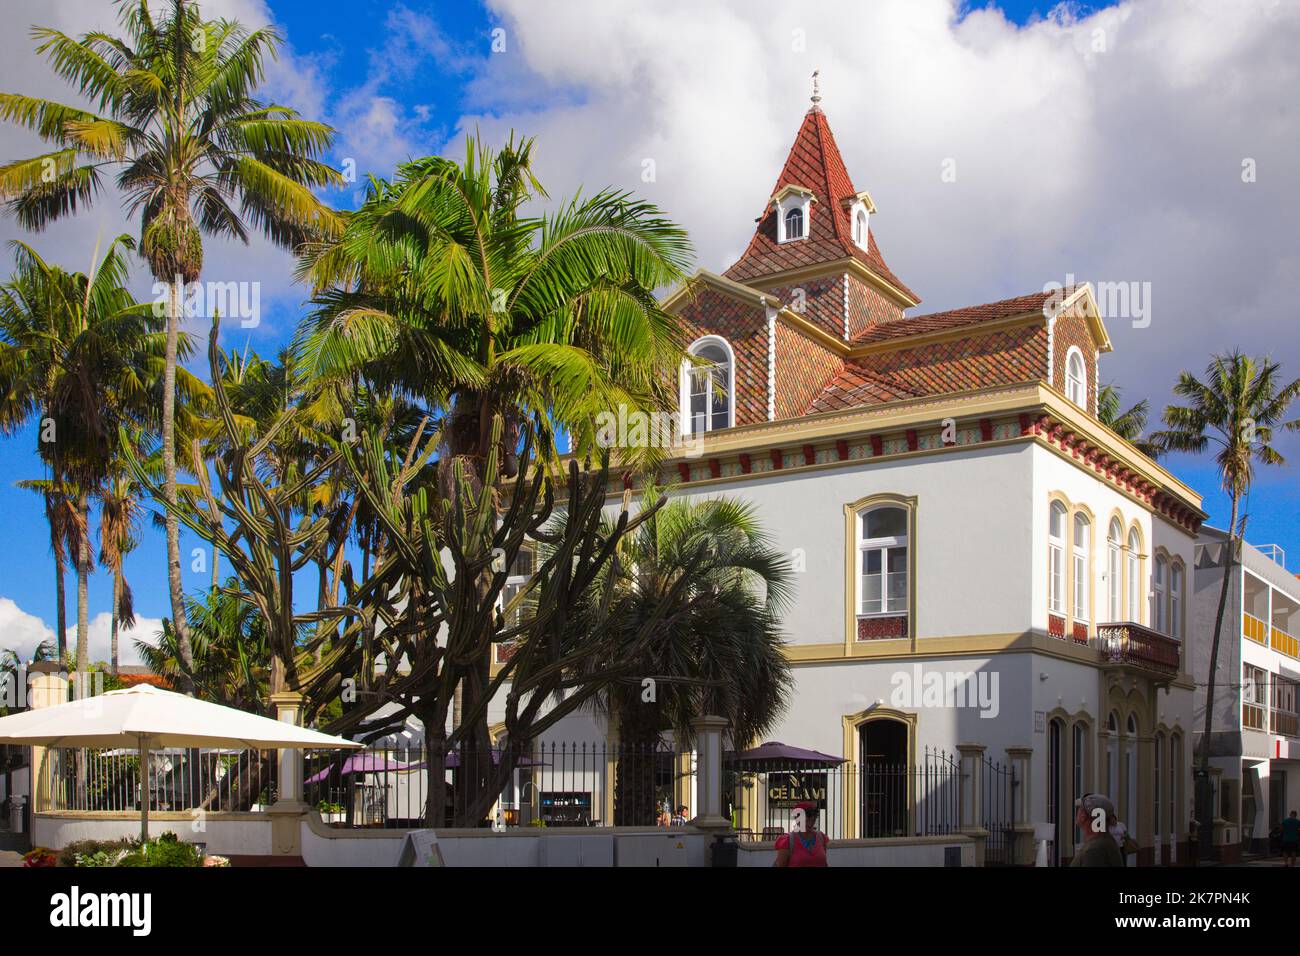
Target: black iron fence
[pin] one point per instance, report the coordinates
(197, 779)
(868, 800)
(553, 785)
(999, 801)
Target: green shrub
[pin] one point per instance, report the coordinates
(167, 850)
(70, 854)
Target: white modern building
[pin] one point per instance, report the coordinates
(1255, 740)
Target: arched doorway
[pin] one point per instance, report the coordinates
(886, 772)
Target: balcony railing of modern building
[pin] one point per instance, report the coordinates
(1128, 644)
(1261, 632)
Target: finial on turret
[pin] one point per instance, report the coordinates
(817, 90)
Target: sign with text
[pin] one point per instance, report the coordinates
(786, 789)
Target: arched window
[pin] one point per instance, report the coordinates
(882, 568)
(1115, 570)
(1134, 577)
(1176, 601)
(860, 228)
(1076, 378)
(1130, 813)
(1082, 561)
(1112, 757)
(1056, 558)
(1080, 787)
(1159, 611)
(710, 387)
(794, 224)
(1158, 790)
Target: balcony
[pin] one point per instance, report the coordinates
(1260, 632)
(1126, 644)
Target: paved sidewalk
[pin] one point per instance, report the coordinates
(10, 858)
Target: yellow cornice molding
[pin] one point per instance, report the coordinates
(835, 267)
(689, 289)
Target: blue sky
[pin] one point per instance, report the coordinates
(1069, 164)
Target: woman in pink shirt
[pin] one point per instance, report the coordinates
(806, 848)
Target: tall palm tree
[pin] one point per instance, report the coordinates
(61, 517)
(1129, 424)
(78, 350)
(120, 508)
(720, 647)
(443, 288)
(1237, 409)
(173, 111)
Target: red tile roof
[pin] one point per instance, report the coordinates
(814, 163)
(954, 318)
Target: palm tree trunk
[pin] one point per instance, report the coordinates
(175, 588)
(216, 564)
(83, 589)
(117, 600)
(61, 612)
(1204, 790)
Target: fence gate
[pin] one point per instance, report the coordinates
(999, 808)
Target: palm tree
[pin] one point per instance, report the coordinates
(61, 517)
(196, 155)
(78, 350)
(1236, 409)
(720, 647)
(119, 534)
(1129, 424)
(440, 287)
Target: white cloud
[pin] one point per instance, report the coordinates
(20, 631)
(1109, 147)
(100, 637)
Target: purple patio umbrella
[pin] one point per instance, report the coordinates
(782, 756)
(365, 763)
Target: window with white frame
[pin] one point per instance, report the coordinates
(1082, 561)
(708, 388)
(521, 572)
(1056, 558)
(1076, 378)
(1176, 601)
(1159, 609)
(860, 228)
(793, 224)
(882, 549)
(1134, 577)
(1115, 570)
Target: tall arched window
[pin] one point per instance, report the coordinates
(1080, 787)
(1158, 791)
(1130, 813)
(1076, 378)
(794, 224)
(882, 575)
(1115, 570)
(709, 388)
(1159, 610)
(1056, 558)
(860, 228)
(1112, 757)
(1134, 577)
(1176, 601)
(1082, 563)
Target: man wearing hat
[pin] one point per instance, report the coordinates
(803, 845)
(1094, 814)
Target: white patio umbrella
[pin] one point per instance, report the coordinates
(153, 719)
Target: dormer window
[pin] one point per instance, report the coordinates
(860, 209)
(1076, 378)
(793, 213)
(708, 387)
(794, 224)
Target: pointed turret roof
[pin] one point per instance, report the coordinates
(814, 164)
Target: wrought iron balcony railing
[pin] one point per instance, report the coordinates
(1127, 643)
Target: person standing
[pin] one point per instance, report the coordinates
(1094, 815)
(804, 846)
(1290, 839)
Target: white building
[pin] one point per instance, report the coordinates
(1255, 741)
(957, 513)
